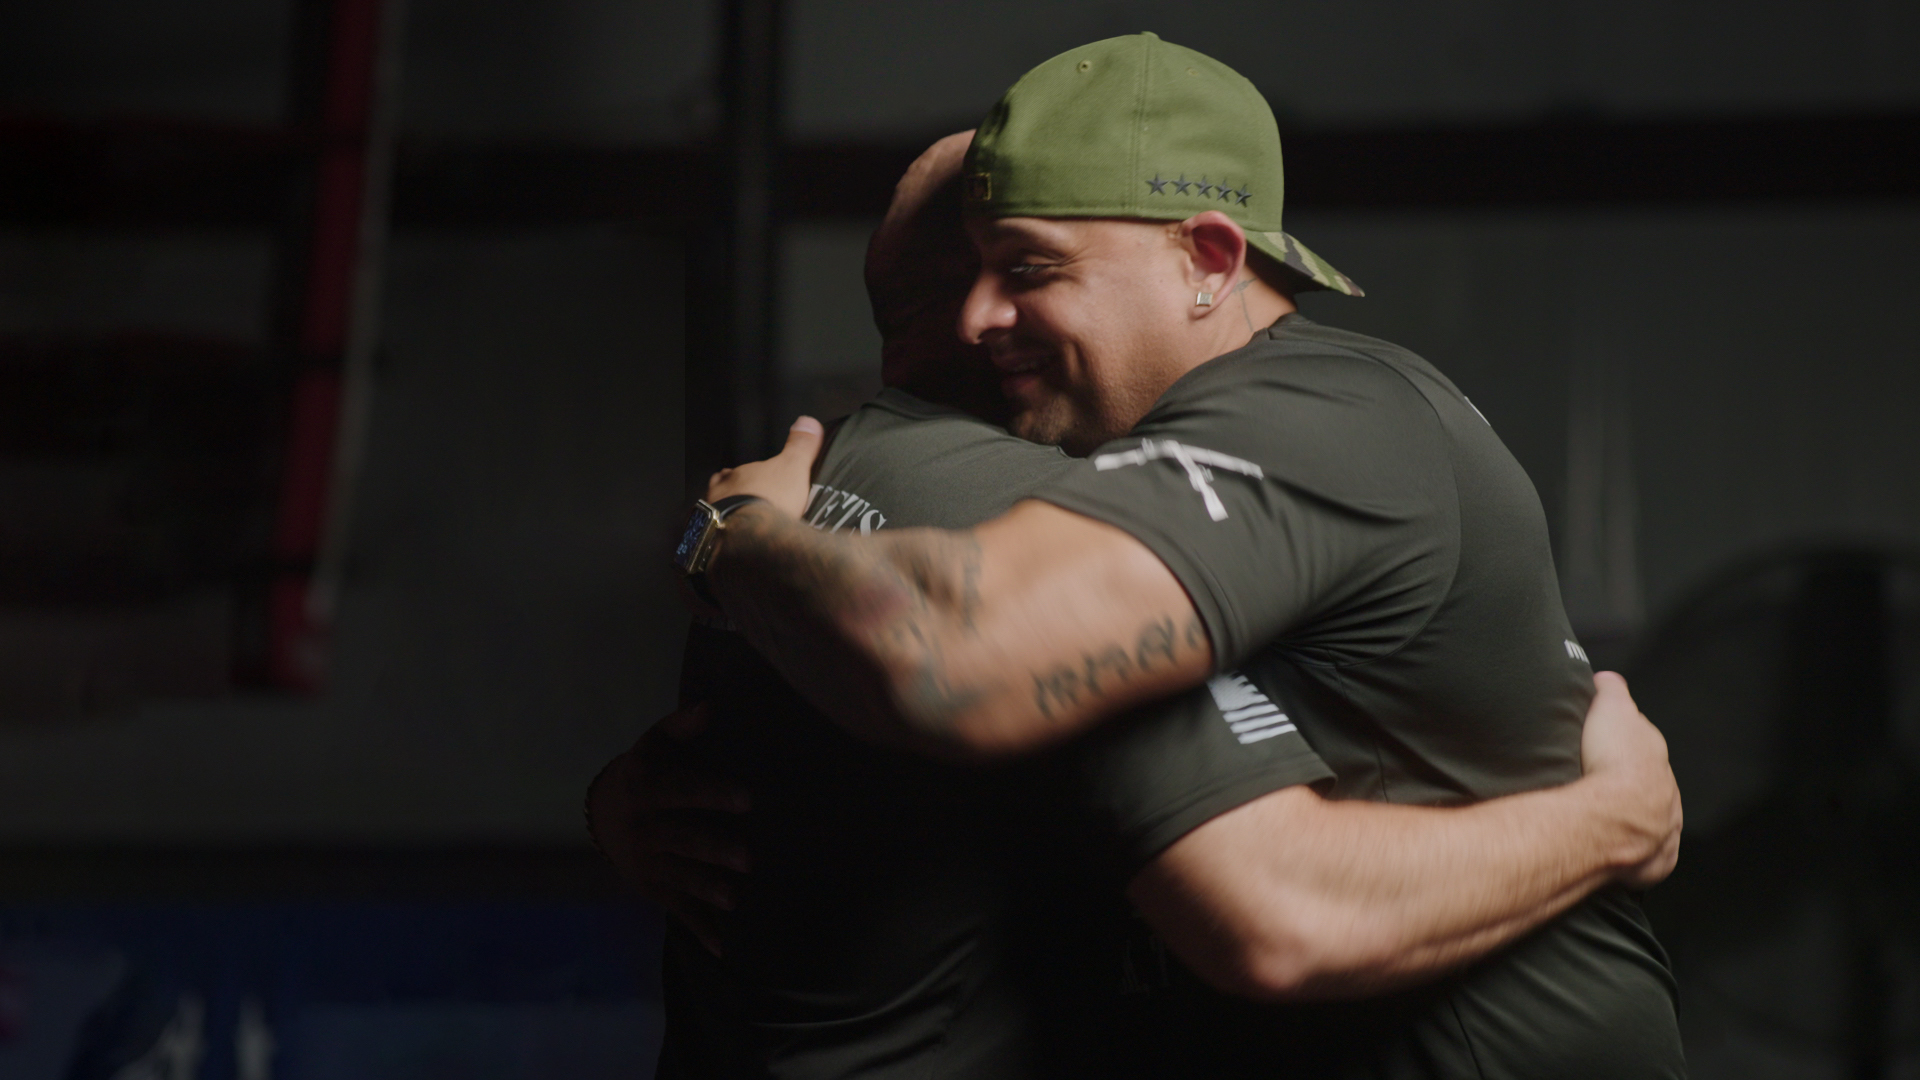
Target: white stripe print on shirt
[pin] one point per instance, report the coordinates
(1248, 713)
(1198, 461)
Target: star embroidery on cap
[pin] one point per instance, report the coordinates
(1244, 194)
(1181, 185)
(1226, 193)
(1206, 189)
(1158, 185)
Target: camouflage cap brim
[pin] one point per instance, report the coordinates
(1295, 256)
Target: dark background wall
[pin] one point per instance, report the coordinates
(507, 625)
(524, 432)
(1694, 375)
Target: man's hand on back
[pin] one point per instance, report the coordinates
(1626, 757)
(653, 815)
(785, 480)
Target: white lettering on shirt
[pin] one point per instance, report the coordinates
(1198, 461)
(830, 510)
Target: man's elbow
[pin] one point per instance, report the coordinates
(1266, 966)
(897, 700)
(960, 725)
(1284, 960)
(954, 715)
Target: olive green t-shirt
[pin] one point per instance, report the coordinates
(911, 918)
(1347, 523)
(1143, 780)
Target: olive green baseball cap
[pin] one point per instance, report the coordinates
(1136, 127)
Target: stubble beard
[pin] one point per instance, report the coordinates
(1045, 424)
(1058, 422)
(1080, 417)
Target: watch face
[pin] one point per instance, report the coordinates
(690, 540)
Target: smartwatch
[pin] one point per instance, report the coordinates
(702, 538)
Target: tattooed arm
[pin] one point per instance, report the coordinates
(992, 640)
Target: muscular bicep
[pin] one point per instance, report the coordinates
(1222, 898)
(1292, 896)
(1067, 621)
(1296, 897)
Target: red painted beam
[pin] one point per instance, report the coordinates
(297, 646)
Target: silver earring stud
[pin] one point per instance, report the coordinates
(1204, 299)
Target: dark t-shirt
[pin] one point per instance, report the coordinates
(909, 918)
(1349, 526)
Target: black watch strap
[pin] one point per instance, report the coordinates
(731, 503)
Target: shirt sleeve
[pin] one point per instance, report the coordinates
(1307, 496)
(1146, 779)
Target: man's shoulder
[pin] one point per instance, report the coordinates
(1315, 364)
(900, 461)
(1300, 388)
(895, 426)
(893, 405)
(1300, 334)
(896, 414)
(1350, 357)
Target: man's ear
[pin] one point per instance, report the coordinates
(1216, 252)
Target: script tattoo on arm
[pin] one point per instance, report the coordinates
(925, 638)
(1157, 645)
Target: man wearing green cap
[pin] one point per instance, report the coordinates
(1283, 490)
(903, 917)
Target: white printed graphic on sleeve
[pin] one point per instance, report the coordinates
(1248, 712)
(1198, 461)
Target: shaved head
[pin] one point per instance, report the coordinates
(920, 264)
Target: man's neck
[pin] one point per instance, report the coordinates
(1237, 319)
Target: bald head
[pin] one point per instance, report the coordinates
(921, 240)
(920, 264)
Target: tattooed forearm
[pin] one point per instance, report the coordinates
(943, 566)
(918, 637)
(858, 624)
(1158, 645)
